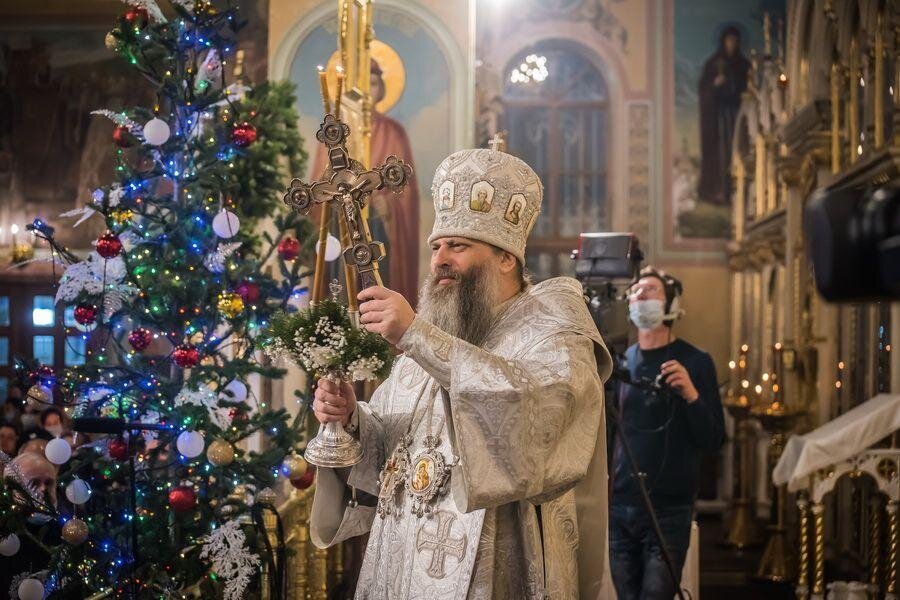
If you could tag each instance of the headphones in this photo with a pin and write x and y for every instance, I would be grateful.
(673, 289)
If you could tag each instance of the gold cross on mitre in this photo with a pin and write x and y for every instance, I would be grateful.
(346, 184)
(497, 143)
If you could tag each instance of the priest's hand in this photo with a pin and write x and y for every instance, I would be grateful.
(334, 401)
(385, 312)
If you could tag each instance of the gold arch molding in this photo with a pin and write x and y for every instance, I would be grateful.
(393, 73)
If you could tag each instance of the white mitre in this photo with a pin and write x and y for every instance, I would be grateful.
(486, 195)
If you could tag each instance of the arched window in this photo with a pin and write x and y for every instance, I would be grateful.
(556, 108)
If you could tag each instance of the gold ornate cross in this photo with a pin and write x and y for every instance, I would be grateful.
(347, 185)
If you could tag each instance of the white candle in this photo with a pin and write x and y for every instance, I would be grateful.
(14, 230)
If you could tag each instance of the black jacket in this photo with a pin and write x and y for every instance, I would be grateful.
(667, 434)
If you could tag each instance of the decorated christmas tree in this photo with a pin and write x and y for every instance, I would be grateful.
(169, 306)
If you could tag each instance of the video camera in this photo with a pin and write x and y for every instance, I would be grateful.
(854, 242)
(606, 264)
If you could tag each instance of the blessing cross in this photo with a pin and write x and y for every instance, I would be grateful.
(348, 185)
(440, 543)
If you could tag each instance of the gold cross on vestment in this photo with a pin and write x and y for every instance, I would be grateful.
(348, 185)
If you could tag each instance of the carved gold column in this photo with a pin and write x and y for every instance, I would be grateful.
(295, 513)
(879, 81)
(835, 84)
(818, 588)
(875, 565)
(853, 101)
(319, 583)
(802, 589)
(740, 201)
(761, 185)
(893, 538)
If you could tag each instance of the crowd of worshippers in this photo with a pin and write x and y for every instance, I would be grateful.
(26, 428)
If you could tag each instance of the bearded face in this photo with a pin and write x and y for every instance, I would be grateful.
(462, 303)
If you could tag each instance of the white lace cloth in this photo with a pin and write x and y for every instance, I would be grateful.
(836, 441)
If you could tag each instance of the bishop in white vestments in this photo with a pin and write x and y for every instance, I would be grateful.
(484, 474)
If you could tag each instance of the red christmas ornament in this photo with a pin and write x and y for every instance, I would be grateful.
(86, 313)
(305, 480)
(122, 137)
(140, 338)
(243, 134)
(137, 17)
(109, 245)
(118, 449)
(288, 248)
(249, 291)
(182, 498)
(186, 356)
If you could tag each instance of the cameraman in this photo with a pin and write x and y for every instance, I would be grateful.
(670, 414)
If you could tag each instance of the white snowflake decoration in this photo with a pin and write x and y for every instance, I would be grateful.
(85, 212)
(208, 398)
(122, 120)
(209, 75)
(116, 191)
(90, 276)
(215, 261)
(231, 560)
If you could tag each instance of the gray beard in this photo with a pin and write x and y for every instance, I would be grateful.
(465, 309)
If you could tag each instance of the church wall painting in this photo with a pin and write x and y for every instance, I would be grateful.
(413, 121)
(711, 59)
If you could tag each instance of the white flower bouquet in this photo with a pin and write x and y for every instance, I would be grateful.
(323, 342)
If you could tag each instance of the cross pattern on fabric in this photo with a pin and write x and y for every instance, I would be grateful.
(440, 543)
(347, 183)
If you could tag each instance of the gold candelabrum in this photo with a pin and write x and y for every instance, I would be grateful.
(744, 529)
(779, 561)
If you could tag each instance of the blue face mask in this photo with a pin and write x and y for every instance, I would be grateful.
(647, 314)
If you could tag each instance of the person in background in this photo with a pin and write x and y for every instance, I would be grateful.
(11, 410)
(40, 474)
(52, 420)
(9, 438)
(35, 440)
(667, 430)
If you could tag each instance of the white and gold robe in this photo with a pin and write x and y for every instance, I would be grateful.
(526, 514)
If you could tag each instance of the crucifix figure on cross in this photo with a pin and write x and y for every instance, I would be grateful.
(347, 185)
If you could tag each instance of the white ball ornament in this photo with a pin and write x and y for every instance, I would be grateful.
(58, 451)
(10, 545)
(238, 389)
(156, 132)
(78, 492)
(225, 224)
(332, 248)
(31, 589)
(190, 443)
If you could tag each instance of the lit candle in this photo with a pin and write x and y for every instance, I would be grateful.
(340, 91)
(14, 230)
(323, 84)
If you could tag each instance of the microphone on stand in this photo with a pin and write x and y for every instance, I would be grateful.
(113, 425)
